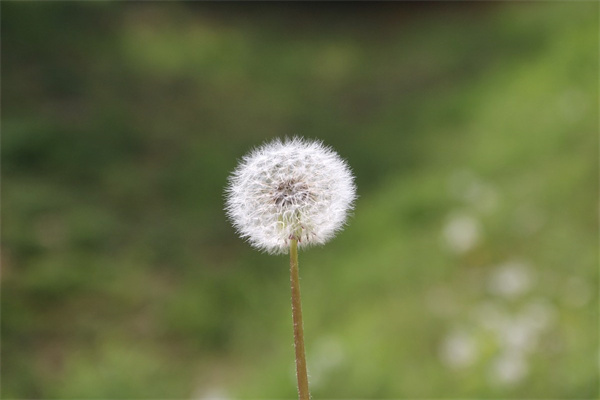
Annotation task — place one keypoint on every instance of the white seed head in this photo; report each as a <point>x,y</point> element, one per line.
<point>290,189</point>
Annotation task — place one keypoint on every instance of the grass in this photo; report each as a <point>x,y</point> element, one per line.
<point>122,278</point>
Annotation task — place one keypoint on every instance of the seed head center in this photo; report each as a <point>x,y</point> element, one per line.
<point>290,192</point>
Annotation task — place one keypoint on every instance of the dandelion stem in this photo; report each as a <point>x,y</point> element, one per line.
<point>303,393</point>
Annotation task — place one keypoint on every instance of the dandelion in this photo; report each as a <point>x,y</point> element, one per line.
<point>287,195</point>
<point>290,190</point>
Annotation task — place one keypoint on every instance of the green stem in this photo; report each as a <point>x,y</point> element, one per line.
<point>303,393</point>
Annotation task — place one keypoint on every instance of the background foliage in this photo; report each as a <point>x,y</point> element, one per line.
<point>469,269</point>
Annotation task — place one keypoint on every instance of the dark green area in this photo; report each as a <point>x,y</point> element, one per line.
<point>468,270</point>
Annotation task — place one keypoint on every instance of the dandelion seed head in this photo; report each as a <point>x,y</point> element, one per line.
<point>290,189</point>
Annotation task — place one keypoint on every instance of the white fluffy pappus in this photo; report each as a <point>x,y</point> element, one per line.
<point>289,189</point>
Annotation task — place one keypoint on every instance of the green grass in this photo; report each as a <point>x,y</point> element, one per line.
<point>123,279</point>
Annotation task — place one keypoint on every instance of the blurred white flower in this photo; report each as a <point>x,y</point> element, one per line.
<point>509,369</point>
<point>511,279</point>
<point>522,332</point>
<point>291,189</point>
<point>462,232</point>
<point>459,349</point>
<point>520,336</point>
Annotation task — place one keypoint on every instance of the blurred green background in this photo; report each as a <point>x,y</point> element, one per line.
<point>469,268</point>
